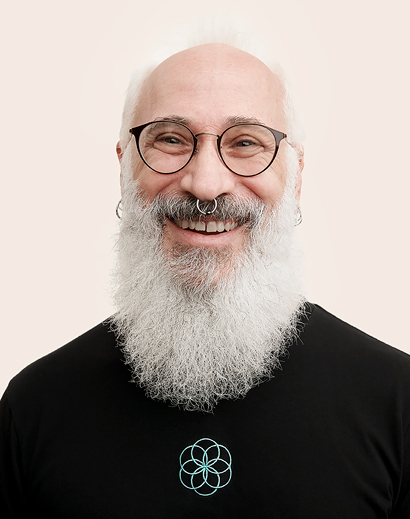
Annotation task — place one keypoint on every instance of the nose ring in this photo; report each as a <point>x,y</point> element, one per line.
<point>207,212</point>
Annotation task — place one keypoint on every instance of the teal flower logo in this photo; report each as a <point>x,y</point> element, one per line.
<point>206,467</point>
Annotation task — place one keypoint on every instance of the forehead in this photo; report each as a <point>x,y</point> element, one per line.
<point>209,85</point>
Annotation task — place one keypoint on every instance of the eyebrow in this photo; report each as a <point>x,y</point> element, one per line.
<point>228,121</point>
<point>174,119</point>
<point>242,119</point>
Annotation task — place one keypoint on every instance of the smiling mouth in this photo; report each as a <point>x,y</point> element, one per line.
<point>211,226</point>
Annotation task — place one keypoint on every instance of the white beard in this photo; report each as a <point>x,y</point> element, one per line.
<point>197,326</point>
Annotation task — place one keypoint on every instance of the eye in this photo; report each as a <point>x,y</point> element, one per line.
<point>169,139</point>
<point>170,143</point>
<point>243,143</point>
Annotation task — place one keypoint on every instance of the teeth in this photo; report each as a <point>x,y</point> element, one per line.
<point>220,226</point>
<point>211,226</point>
<point>200,226</point>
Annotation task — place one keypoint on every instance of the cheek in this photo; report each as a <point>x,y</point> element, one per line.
<point>151,183</point>
<point>268,186</point>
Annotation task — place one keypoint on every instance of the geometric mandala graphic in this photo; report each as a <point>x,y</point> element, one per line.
<point>206,467</point>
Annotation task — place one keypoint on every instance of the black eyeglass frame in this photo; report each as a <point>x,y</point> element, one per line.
<point>279,136</point>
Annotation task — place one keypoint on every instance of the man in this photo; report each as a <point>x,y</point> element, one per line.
<point>248,402</point>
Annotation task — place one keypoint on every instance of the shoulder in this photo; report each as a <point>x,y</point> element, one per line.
<point>324,326</point>
<point>87,357</point>
<point>344,348</point>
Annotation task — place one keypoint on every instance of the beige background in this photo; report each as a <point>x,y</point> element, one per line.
<point>64,68</point>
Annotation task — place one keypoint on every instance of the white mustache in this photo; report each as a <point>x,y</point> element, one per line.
<point>240,210</point>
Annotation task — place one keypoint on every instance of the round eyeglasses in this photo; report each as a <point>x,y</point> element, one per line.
<point>246,149</point>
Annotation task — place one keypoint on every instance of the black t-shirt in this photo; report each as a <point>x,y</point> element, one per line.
<point>327,437</point>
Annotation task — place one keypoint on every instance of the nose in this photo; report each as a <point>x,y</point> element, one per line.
<point>205,176</point>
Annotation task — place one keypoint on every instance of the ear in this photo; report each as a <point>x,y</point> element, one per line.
<point>119,151</point>
<point>301,158</point>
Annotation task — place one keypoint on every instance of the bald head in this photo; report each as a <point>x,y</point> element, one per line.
<point>210,83</point>
<point>211,61</point>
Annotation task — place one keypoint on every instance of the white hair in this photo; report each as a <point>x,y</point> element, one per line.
<point>214,30</point>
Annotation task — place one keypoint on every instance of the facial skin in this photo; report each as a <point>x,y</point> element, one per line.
<point>210,86</point>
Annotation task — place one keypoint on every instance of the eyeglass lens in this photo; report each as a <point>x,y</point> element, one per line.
<point>167,147</point>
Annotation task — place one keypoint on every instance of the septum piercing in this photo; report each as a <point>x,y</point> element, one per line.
<point>208,212</point>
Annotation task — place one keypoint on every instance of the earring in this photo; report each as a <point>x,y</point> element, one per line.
<point>298,216</point>
<point>118,209</point>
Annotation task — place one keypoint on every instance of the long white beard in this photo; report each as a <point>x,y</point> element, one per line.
<point>197,325</point>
